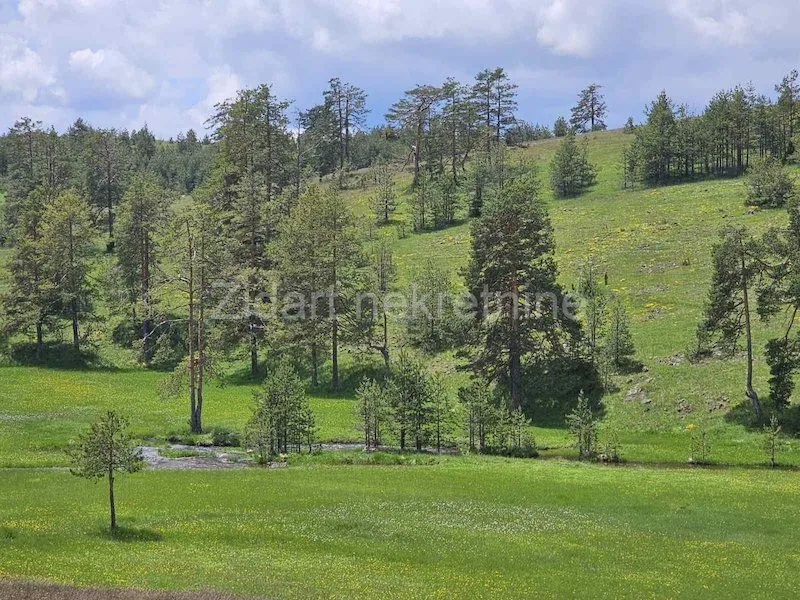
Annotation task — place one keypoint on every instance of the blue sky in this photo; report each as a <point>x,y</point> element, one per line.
<point>122,63</point>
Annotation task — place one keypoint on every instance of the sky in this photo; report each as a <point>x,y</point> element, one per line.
<point>124,63</point>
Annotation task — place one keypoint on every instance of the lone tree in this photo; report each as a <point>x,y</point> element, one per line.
<point>560,127</point>
<point>571,172</point>
<point>590,110</point>
<point>618,345</point>
<point>104,451</point>
<point>728,312</point>
<point>384,202</point>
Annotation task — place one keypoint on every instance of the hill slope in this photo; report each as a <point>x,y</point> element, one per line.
<point>654,245</point>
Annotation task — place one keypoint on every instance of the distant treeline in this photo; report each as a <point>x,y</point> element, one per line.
<point>736,126</point>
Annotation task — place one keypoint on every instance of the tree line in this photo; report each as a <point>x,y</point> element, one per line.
<point>737,126</point>
<point>196,273</point>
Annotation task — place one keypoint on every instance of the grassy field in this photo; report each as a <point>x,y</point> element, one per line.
<point>471,528</point>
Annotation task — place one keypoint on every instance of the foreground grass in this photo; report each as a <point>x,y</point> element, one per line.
<point>466,527</point>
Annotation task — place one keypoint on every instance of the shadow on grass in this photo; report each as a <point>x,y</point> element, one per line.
<point>60,356</point>
<point>552,389</point>
<point>130,535</point>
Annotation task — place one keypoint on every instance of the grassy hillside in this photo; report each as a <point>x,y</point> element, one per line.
<point>653,243</point>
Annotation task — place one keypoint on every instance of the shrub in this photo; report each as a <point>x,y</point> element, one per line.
<point>700,447</point>
<point>583,425</point>
<point>611,448</point>
<point>772,441</point>
<point>222,436</point>
<point>769,184</point>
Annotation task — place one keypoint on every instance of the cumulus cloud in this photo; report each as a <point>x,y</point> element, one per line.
<point>22,71</point>
<point>221,84</point>
<point>170,61</point>
<point>111,69</point>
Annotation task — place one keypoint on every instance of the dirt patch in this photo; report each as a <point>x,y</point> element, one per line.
<point>26,590</point>
<point>673,360</point>
<point>210,457</point>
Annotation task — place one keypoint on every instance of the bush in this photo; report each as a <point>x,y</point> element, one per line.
<point>583,426</point>
<point>700,446</point>
<point>769,184</point>
<point>222,436</point>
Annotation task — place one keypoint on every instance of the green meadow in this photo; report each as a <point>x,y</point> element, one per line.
<point>462,528</point>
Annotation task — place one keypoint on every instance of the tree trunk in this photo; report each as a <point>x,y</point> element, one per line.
<point>192,367</point>
<point>385,349</point>
<point>514,352</point>
<point>253,352</point>
<point>75,339</point>
<point>39,340</point>
<point>335,354</point>
<point>111,505</point>
<point>314,367</point>
<point>201,341</point>
<point>750,392</point>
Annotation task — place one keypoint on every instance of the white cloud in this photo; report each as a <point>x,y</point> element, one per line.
<point>736,22</point>
<point>169,61</point>
<point>221,85</point>
<point>22,71</point>
<point>113,70</point>
<point>569,26</point>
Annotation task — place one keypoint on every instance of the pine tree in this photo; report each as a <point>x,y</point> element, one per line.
<point>479,413</point>
<point>384,202</point>
<point>371,326</point>
<point>560,127</point>
<point>594,303</point>
<point>142,218</point>
<point>109,163</point>
<point>29,303</point>
<point>512,258</point>
<point>412,114</point>
<point>281,420</point>
<point>571,172</point>
<point>67,236</point>
<point>347,104</point>
<point>583,425</point>
<point>730,305</point>
<point>320,261</point>
<point>429,315</point>
<point>618,343</point>
<point>195,241</point>
<point>769,184</point>
<point>590,110</point>
<point>105,450</point>
<point>656,140</point>
<point>409,395</point>
<point>372,412</point>
<point>495,99</point>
